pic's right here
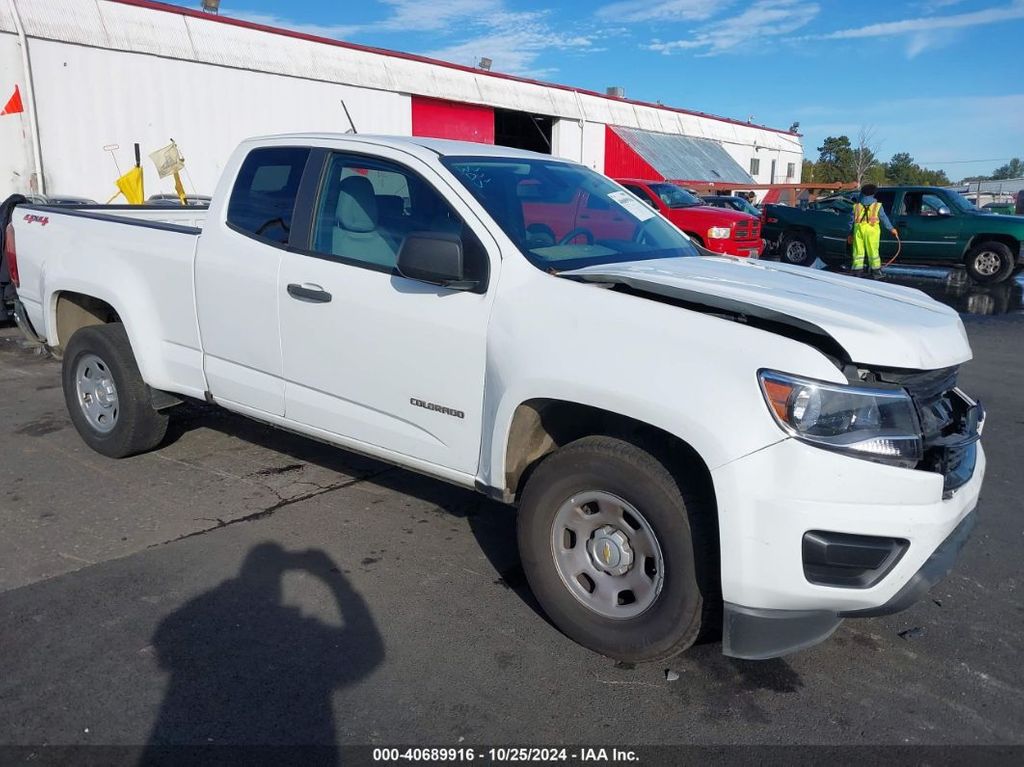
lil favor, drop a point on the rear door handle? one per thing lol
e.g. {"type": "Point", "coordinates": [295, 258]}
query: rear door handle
{"type": "Point", "coordinates": [313, 294]}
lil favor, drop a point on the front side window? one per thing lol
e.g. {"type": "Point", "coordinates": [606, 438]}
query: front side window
{"type": "Point", "coordinates": [572, 217]}
{"type": "Point", "coordinates": [367, 206]}
{"type": "Point", "coordinates": [923, 204]}
{"type": "Point", "coordinates": [263, 198]}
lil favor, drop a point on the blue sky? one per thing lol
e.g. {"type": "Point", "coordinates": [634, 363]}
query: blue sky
{"type": "Point", "coordinates": [941, 79]}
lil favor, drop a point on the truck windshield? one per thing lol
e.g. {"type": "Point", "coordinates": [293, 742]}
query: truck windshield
{"type": "Point", "coordinates": [675, 196]}
{"type": "Point", "coordinates": [564, 216]}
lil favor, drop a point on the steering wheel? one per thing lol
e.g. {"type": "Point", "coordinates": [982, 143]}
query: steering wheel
{"type": "Point", "coordinates": [574, 233]}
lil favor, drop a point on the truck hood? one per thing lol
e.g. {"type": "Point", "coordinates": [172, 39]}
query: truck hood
{"type": "Point", "coordinates": [876, 324]}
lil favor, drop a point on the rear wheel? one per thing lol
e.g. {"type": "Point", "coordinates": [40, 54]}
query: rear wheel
{"type": "Point", "coordinates": [797, 248]}
{"type": "Point", "coordinates": [989, 262]}
{"type": "Point", "coordinates": [109, 403]}
{"type": "Point", "coordinates": [613, 553]}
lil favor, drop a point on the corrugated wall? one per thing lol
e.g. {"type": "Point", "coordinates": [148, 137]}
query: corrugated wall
{"type": "Point", "coordinates": [89, 97]}
{"type": "Point", "coordinates": [132, 73]}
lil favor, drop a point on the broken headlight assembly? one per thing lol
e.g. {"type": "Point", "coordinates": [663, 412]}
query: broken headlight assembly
{"type": "Point", "coordinates": [877, 424]}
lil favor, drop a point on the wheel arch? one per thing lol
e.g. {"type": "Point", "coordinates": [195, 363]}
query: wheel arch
{"type": "Point", "coordinates": [539, 426]}
{"type": "Point", "coordinates": [73, 311]}
{"type": "Point", "coordinates": [73, 307]}
{"type": "Point", "coordinates": [1006, 239]}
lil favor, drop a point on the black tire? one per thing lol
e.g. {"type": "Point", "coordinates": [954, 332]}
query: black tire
{"type": "Point", "coordinates": [690, 595]}
{"type": "Point", "coordinates": [797, 248]}
{"type": "Point", "coordinates": [137, 427]}
{"type": "Point", "coordinates": [989, 262]}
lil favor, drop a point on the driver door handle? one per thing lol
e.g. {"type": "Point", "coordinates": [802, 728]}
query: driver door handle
{"type": "Point", "coordinates": [309, 293]}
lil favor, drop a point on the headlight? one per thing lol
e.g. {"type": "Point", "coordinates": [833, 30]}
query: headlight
{"type": "Point", "coordinates": [876, 424]}
{"type": "Point", "coordinates": [719, 233]}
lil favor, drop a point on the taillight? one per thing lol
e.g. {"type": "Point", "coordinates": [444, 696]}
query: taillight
{"type": "Point", "coordinates": [11, 255]}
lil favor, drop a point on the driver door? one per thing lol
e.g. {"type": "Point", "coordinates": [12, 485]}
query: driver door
{"type": "Point", "coordinates": [372, 357]}
{"type": "Point", "coordinates": [928, 229]}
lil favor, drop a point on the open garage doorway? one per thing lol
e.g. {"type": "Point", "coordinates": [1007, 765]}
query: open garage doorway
{"type": "Point", "coordinates": [521, 130]}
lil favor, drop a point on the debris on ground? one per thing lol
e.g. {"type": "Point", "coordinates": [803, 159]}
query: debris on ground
{"type": "Point", "coordinates": [913, 633]}
{"type": "Point", "coordinates": [671, 675]}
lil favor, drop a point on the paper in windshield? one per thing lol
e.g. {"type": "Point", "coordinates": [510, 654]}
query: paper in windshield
{"type": "Point", "coordinates": [636, 208]}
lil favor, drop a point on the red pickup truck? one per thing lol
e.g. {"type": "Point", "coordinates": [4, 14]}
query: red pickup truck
{"type": "Point", "coordinates": [716, 229]}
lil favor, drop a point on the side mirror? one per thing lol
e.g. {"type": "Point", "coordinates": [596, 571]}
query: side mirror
{"type": "Point", "coordinates": [943, 211]}
{"type": "Point", "coordinates": [434, 257]}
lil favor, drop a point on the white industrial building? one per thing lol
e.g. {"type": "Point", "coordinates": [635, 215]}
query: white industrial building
{"type": "Point", "coordinates": [81, 77]}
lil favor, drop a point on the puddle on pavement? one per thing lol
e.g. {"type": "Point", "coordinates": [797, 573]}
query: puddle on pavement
{"type": "Point", "coordinates": [954, 288]}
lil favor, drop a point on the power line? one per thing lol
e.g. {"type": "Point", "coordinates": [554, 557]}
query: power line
{"type": "Point", "coordinates": [963, 162]}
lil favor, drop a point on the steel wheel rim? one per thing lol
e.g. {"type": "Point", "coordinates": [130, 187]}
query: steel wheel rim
{"type": "Point", "coordinates": [607, 555]}
{"type": "Point", "coordinates": [987, 263]}
{"type": "Point", "coordinates": [96, 393]}
{"type": "Point", "coordinates": [796, 252]}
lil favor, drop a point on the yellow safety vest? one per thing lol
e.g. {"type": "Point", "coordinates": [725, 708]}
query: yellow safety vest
{"type": "Point", "coordinates": [866, 214]}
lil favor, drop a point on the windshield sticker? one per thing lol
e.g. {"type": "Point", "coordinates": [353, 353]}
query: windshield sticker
{"type": "Point", "coordinates": [632, 205]}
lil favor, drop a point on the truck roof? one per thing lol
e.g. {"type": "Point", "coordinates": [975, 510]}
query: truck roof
{"type": "Point", "coordinates": [442, 147]}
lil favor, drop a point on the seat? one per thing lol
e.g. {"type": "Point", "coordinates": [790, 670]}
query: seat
{"type": "Point", "coordinates": [356, 234]}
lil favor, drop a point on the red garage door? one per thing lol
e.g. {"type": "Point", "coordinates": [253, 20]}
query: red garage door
{"type": "Point", "coordinates": [435, 118]}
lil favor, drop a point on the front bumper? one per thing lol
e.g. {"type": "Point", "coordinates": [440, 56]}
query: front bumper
{"type": "Point", "coordinates": [740, 248]}
{"type": "Point", "coordinates": [767, 502]}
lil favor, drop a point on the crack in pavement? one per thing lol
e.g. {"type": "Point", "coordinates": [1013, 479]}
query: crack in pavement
{"type": "Point", "coordinates": [282, 503]}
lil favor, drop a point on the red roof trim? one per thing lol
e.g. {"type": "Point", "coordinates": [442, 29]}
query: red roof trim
{"type": "Point", "coordinates": [182, 11]}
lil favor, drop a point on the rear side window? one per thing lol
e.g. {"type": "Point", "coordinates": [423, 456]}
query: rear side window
{"type": "Point", "coordinates": [263, 199]}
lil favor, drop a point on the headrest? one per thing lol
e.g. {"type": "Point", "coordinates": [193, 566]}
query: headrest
{"type": "Point", "coordinates": [357, 205]}
{"type": "Point", "coordinates": [390, 205]}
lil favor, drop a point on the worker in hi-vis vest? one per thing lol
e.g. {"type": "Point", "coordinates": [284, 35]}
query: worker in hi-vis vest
{"type": "Point", "coordinates": [866, 231]}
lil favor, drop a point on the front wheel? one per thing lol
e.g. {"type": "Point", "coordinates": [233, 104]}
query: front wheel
{"type": "Point", "coordinates": [613, 553]}
{"type": "Point", "coordinates": [990, 262]}
{"type": "Point", "coordinates": [797, 248]}
{"type": "Point", "coordinates": [109, 403]}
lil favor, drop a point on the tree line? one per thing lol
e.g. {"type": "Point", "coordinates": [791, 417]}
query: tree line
{"type": "Point", "coordinates": [1013, 169]}
{"type": "Point", "coordinates": [842, 160]}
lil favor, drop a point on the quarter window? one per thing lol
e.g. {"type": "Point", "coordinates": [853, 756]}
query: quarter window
{"type": "Point", "coordinates": [263, 198]}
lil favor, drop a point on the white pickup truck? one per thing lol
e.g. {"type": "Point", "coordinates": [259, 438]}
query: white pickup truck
{"type": "Point", "coordinates": [695, 444]}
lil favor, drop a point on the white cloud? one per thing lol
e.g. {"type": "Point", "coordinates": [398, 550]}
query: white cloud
{"type": "Point", "coordinates": [1014, 10]}
{"type": "Point", "coordinates": [666, 10]}
{"type": "Point", "coordinates": [433, 15]}
{"type": "Point", "coordinates": [333, 31]}
{"type": "Point", "coordinates": [514, 41]}
{"type": "Point", "coordinates": [761, 20]}
{"type": "Point", "coordinates": [462, 31]}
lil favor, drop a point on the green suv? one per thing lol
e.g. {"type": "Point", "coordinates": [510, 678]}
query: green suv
{"type": "Point", "coordinates": [936, 226]}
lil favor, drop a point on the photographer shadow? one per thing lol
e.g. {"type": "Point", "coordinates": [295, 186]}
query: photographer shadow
{"type": "Point", "coordinates": [246, 669]}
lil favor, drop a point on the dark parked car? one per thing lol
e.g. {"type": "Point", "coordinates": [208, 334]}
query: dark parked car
{"type": "Point", "coordinates": [936, 226]}
{"type": "Point", "coordinates": [191, 200]}
{"type": "Point", "coordinates": [59, 199]}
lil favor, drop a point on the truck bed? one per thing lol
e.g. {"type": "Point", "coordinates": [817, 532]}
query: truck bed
{"type": "Point", "coordinates": [139, 261]}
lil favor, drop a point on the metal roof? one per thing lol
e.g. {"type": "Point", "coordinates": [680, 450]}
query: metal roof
{"type": "Point", "coordinates": [684, 158]}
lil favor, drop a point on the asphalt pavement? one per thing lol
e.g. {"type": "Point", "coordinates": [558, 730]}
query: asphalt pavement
{"type": "Point", "coordinates": [244, 585]}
